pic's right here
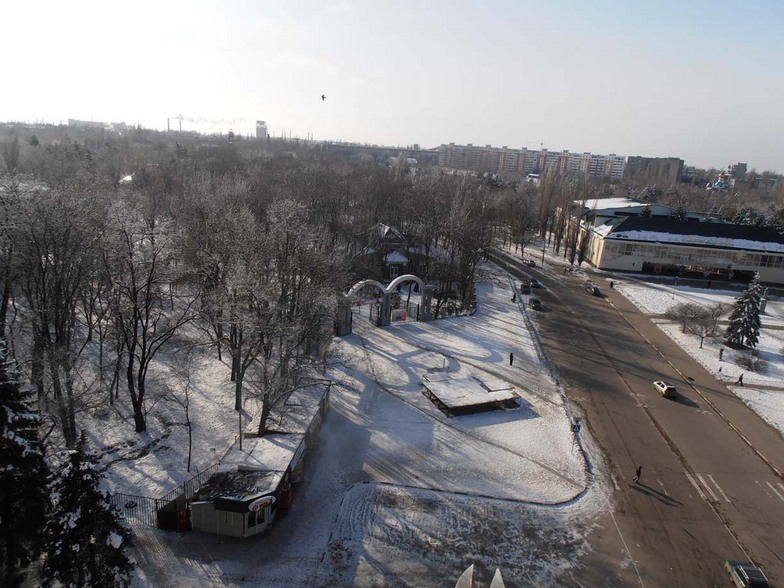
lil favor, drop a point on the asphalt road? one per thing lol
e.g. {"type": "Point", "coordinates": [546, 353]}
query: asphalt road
{"type": "Point", "coordinates": [711, 486]}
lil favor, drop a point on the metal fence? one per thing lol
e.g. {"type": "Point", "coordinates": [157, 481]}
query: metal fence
{"type": "Point", "coordinates": [139, 510]}
{"type": "Point", "coordinates": [165, 512]}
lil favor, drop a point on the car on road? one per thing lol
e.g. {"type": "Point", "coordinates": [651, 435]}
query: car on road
{"type": "Point", "coordinates": [592, 288]}
{"type": "Point", "coordinates": [535, 304]}
{"type": "Point", "coordinates": [535, 283]}
{"type": "Point", "coordinates": [665, 389]}
{"type": "Point", "coordinates": [529, 262]}
{"type": "Point", "coordinates": [525, 289]}
{"type": "Point", "coordinates": [745, 574]}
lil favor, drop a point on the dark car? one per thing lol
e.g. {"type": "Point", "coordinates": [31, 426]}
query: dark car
{"type": "Point", "coordinates": [745, 574]}
{"type": "Point", "coordinates": [535, 304]}
{"type": "Point", "coordinates": [525, 289]}
{"type": "Point", "coordinates": [593, 290]}
{"type": "Point", "coordinates": [529, 262]}
{"type": "Point", "coordinates": [535, 283]}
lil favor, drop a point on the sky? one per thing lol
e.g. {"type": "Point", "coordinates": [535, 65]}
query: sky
{"type": "Point", "coordinates": [697, 80]}
{"type": "Point", "coordinates": [384, 449]}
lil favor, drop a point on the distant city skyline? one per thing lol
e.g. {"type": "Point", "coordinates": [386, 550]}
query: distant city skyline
{"type": "Point", "coordinates": [699, 80]}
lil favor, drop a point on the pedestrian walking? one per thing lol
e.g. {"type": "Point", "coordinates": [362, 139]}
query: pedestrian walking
{"type": "Point", "coordinates": [514, 297]}
{"type": "Point", "coordinates": [740, 380]}
{"type": "Point", "coordinates": [612, 284]}
{"type": "Point", "coordinates": [511, 358]}
{"type": "Point", "coordinates": [721, 353]}
{"type": "Point", "coordinates": [636, 478]}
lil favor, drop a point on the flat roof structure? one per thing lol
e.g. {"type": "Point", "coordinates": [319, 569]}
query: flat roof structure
{"type": "Point", "coordinates": [468, 395]}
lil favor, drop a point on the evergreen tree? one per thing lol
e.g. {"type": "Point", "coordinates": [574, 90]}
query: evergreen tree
{"type": "Point", "coordinates": [87, 542]}
{"type": "Point", "coordinates": [744, 327]}
{"type": "Point", "coordinates": [23, 475]}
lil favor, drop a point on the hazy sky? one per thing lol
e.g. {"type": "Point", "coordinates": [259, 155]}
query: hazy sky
{"type": "Point", "coordinates": [703, 81]}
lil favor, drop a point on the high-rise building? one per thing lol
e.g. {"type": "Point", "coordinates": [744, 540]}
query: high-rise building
{"type": "Point", "coordinates": [261, 129]}
{"type": "Point", "coordinates": [653, 170]}
{"type": "Point", "coordinates": [738, 171]}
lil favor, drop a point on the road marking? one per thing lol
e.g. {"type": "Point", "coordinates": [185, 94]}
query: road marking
{"type": "Point", "coordinates": [719, 488]}
{"type": "Point", "coordinates": [775, 491]}
{"type": "Point", "coordinates": [697, 487]}
{"type": "Point", "coordinates": [662, 486]}
{"type": "Point", "coordinates": [780, 485]}
{"type": "Point", "coordinates": [615, 482]}
{"type": "Point", "coordinates": [707, 487]}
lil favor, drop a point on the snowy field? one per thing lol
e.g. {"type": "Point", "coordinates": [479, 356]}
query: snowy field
{"type": "Point", "coordinates": [399, 494]}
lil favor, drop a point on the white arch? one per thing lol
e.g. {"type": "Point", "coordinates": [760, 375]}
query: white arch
{"type": "Point", "coordinates": [359, 285]}
{"type": "Point", "coordinates": [405, 278]}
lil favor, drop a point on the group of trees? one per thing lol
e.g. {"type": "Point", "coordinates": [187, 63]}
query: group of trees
{"type": "Point", "coordinates": [62, 517]}
{"type": "Point", "coordinates": [243, 251]}
{"type": "Point", "coordinates": [252, 247]}
{"type": "Point", "coordinates": [743, 329]}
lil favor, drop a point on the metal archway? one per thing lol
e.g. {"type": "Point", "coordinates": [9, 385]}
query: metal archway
{"type": "Point", "coordinates": [344, 323]}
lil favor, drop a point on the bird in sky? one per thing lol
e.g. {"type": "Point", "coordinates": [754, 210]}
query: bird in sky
{"type": "Point", "coordinates": [323, 97]}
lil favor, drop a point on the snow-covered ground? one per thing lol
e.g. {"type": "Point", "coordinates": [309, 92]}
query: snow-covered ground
{"type": "Point", "coordinates": [399, 494]}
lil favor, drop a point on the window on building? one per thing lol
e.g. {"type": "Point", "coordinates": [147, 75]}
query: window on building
{"type": "Point", "coordinates": [256, 518]}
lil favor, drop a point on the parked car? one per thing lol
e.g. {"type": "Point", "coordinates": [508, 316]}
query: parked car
{"type": "Point", "coordinates": [525, 289]}
{"type": "Point", "coordinates": [665, 389]}
{"type": "Point", "coordinates": [529, 262]}
{"type": "Point", "coordinates": [535, 283]}
{"type": "Point", "coordinates": [745, 574]}
{"type": "Point", "coordinates": [535, 304]}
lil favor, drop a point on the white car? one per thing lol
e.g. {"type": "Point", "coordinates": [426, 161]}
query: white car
{"type": "Point", "coordinates": [665, 389]}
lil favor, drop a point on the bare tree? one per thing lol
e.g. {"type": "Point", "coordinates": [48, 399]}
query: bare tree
{"type": "Point", "coordinates": [180, 393]}
{"type": "Point", "coordinates": [696, 319]}
{"type": "Point", "coordinates": [143, 273]}
{"type": "Point", "coordinates": [57, 251]}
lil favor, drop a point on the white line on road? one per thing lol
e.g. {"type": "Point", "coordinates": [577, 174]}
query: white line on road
{"type": "Point", "coordinates": [662, 486]}
{"type": "Point", "coordinates": [707, 487]}
{"type": "Point", "coordinates": [780, 485]}
{"type": "Point", "coordinates": [615, 483]}
{"type": "Point", "coordinates": [776, 491]}
{"type": "Point", "coordinates": [697, 487]}
{"type": "Point", "coordinates": [719, 488]}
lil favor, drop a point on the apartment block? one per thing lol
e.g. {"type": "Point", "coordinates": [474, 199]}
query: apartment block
{"type": "Point", "coordinates": [524, 161]}
{"type": "Point", "coordinates": [653, 170]}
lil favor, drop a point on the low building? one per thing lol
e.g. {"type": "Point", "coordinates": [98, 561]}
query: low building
{"type": "Point", "coordinates": [255, 485]}
{"type": "Point", "coordinates": [666, 245]}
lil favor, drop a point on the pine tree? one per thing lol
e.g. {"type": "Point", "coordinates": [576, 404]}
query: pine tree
{"type": "Point", "coordinates": [23, 477]}
{"type": "Point", "coordinates": [87, 542]}
{"type": "Point", "coordinates": [744, 327]}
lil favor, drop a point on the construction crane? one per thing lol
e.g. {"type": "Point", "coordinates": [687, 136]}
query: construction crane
{"type": "Point", "coordinates": [179, 118]}
{"type": "Point", "coordinates": [540, 143]}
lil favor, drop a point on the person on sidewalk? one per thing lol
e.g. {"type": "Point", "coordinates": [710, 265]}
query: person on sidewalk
{"type": "Point", "coordinates": [740, 380]}
{"type": "Point", "coordinates": [721, 353]}
{"type": "Point", "coordinates": [511, 358]}
{"type": "Point", "coordinates": [636, 478]}
{"type": "Point", "coordinates": [514, 297]}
